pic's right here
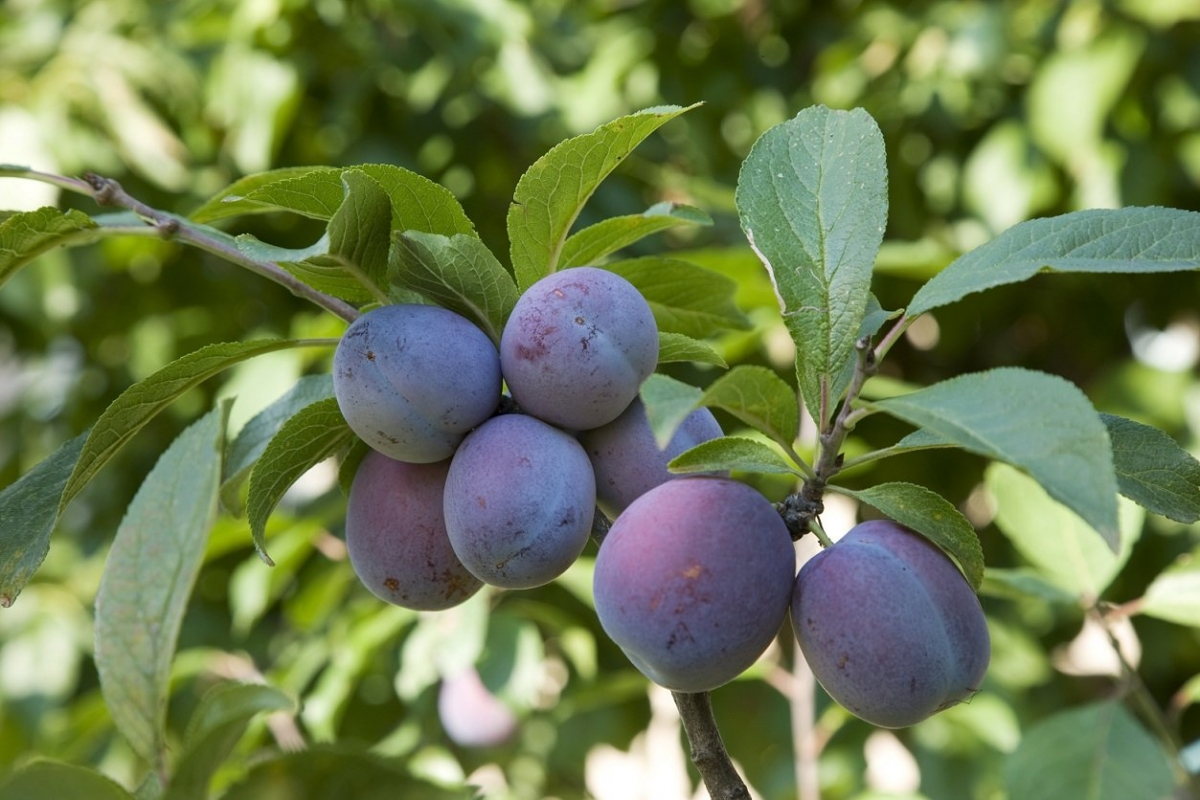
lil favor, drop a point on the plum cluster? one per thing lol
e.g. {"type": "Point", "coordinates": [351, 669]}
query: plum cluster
{"type": "Point", "coordinates": [454, 495]}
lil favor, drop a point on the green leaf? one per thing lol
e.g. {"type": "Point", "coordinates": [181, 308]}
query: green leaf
{"type": "Point", "coordinates": [759, 398]}
{"type": "Point", "coordinates": [337, 772]}
{"type": "Point", "coordinates": [667, 402]}
{"type": "Point", "coordinates": [141, 402]}
{"type": "Point", "coordinates": [53, 780]}
{"type": "Point", "coordinates": [730, 453]}
{"type": "Point", "coordinates": [1098, 240]}
{"type": "Point", "coordinates": [317, 194]}
{"type": "Point", "coordinates": [1038, 422]}
{"type": "Point", "coordinates": [812, 199]}
{"type": "Point", "coordinates": [312, 435]}
{"type": "Point", "coordinates": [231, 201]}
{"type": "Point", "coordinates": [28, 514]}
{"type": "Point", "coordinates": [252, 440]}
{"type": "Point", "coordinates": [315, 265]}
{"type": "Point", "coordinates": [359, 232]}
{"type": "Point", "coordinates": [552, 192]}
{"type": "Point", "coordinates": [873, 319]}
{"type": "Point", "coordinates": [148, 579]}
{"type": "Point", "coordinates": [675, 347]}
{"type": "Point", "coordinates": [934, 517]}
{"type": "Point", "coordinates": [685, 298]}
{"type": "Point", "coordinates": [1153, 470]}
{"type": "Point", "coordinates": [214, 729]}
{"type": "Point", "coordinates": [1174, 595]}
{"type": "Point", "coordinates": [457, 272]}
{"type": "Point", "coordinates": [1060, 545]}
{"type": "Point", "coordinates": [26, 235]}
{"type": "Point", "coordinates": [1096, 752]}
{"type": "Point", "coordinates": [1024, 582]}
{"type": "Point", "coordinates": [419, 204]}
{"type": "Point", "coordinates": [590, 245]}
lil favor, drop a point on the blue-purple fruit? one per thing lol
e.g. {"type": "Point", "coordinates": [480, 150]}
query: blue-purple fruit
{"type": "Point", "coordinates": [889, 625]}
{"type": "Point", "coordinates": [577, 346]}
{"type": "Point", "coordinates": [693, 581]}
{"type": "Point", "coordinates": [471, 715]}
{"type": "Point", "coordinates": [411, 380]}
{"type": "Point", "coordinates": [396, 535]}
{"type": "Point", "coordinates": [519, 501]}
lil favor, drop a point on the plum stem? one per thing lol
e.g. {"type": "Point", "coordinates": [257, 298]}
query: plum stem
{"type": "Point", "coordinates": [108, 192]}
{"type": "Point", "coordinates": [708, 751]}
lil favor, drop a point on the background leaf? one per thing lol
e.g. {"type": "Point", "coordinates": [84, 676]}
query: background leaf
{"type": "Point", "coordinates": [312, 435]}
{"type": "Point", "coordinates": [675, 347]}
{"type": "Point", "coordinates": [1097, 240]}
{"type": "Point", "coordinates": [1153, 470]}
{"type": "Point", "coordinates": [552, 192]}
{"type": "Point", "coordinates": [53, 780]}
{"type": "Point", "coordinates": [934, 517]}
{"type": "Point", "coordinates": [592, 244]}
{"type": "Point", "coordinates": [1096, 752]}
{"type": "Point", "coordinates": [685, 298]}
{"type": "Point", "coordinates": [1038, 422]}
{"type": "Point", "coordinates": [730, 453]}
{"type": "Point", "coordinates": [758, 397]}
{"type": "Point", "coordinates": [1054, 539]}
{"type": "Point", "coordinates": [459, 273]}
{"type": "Point", "coordinates": [26, 235]}
{"type": "Point", "coordinates": [1174, 595]}
{"type": "Point", "coordinates": [28, 514]}
{"type": "Point", "coordinates": [148, 580]}
{"type": "Point", "coordinates": [138, 404]}
{"type": "Point", "coordinates": [812, 198]}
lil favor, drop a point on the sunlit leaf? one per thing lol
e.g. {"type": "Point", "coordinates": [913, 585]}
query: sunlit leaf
{"type": "Point", "coordinates": [674, 347]}
{"type": "Point", "coordinates": [53, 780]}
{"type": "Point", "coordinates": [232, 200]}
{"type": "Point", "coordinates": [685, 298]}
{"type": "Point", "coordinates": [590, 245]}
{"type": "Point", "coordinates": [668, 402]}
{"type": "Point", "coordinates": [730, 453]}
{"type": "Point", "coordinates": [1174, 594]}
{"type": "Point", "coordinates": [26, 235]}
{"type": "Point", "coordinates": [758, 397]}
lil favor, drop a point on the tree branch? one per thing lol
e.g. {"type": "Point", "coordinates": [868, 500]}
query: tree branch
{"type": "Point", "coordinates": [708, 750]}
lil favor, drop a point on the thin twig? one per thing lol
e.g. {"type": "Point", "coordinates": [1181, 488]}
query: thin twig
{"type": "Point", "coordinates": [708, 750]}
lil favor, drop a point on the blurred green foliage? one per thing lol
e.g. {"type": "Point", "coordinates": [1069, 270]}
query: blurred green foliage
{"type": "Point", "coordinates": [992, 112]}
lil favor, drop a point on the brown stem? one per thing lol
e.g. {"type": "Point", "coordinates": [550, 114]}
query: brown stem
{"type": "Point", "coordinates": [708, 750]}
{"type": "Point", "coordinates": [108, 192]}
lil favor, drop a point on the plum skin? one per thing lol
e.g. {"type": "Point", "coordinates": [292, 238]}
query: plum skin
{"type": "Point", "coordinates": [411, 380]}
{"type": "Point", "coordinates": [693, 581]}
{"type": "Point", "coordinates": [577, 347]}
{"type": "Point", "coordinates": [471, 715]}
{"type": "Point", "coordinates": [396, 535]}
{"type": "Point", "coordinates": [889, 626]}
{"type": "Point", "coordinates": [519, 500]}
{"type": "Point", "coordinates": [627, 460]}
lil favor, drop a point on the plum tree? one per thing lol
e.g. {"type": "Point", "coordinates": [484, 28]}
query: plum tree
{"type": "Point", "coordinates": [519, 501]}
{"type": "Point", "coordinates": [471, 715]}
{"type": "Point", "coordinates": [577, 346]}
{"type": "Point", "coordinates": [693, 581]}
{"type": "Point", "coordinates": [396, 535]}
{"type": "Point", "coordinates": [889, 625]}
{"type": "Point", "coordinates": [411, 380]}
{"type": "Point", "coordinates": [628, 462]}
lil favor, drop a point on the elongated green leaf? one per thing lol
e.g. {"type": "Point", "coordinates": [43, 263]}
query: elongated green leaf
{"type": "Point", "coordinates": [1098, 240]}
{"type": "Point", "coordinates": [148, 579]}
{"type": "Point", "coordinates": [28, 514]}
{"type": "Point", "coordinates": [359, 232]}
{"type": "Point", "coordinates": [812, 198]}
{"type": "Point", "coordinates": [338, 772]}
{"type": "Point", "coordinates": [758, 397]}
{"type": "Point", "coordinates": [53, 780]}
{"type": "Point", "coordinates": [1055, 540]}
{"type": "Point", "coordinates": [26, 235]}
{"type": "Point", "coordinates": [457, 272]}
{"type": "Point", "coordinates": [729, 453]}
{"type": "Point", "coordinates": [1096, 752]}
{"type": "Point", "coordinates": [252, 440]}
{"type": "Point", "coordinates": [1038, 422]}
{"type": "Point", "coordinates": [1024, 582]}
{"type": "Point", "coordinates": [139, 404]}
{"type": "Point", "coordinates": [590, 245]}
{"type": "Point", "coordinates": [231, 201]}
{"type": "Point", "coordinates": [873, 319]}
{"type": "Point", "coordinates": [419, 204]}
{"type": "Point", "coordinates": [315, 265]}
{"type": "Point", "coordinates": [674, 347]}
{"type": "Point", "coordinates": [308, 438]}
{"type": "Point", "coordinates": [1174, 595]}
{"type": "Point", "coordinates": [685, 298]}
{"type": "Point", "coordinates": [668, 402]}
{"type": "Point", "coordinates": [1153, 470]}
{"type": "Point", "coordinates": [934, 517]}
{"type": "Point", "coordinates": [317, 194]}
{"type": "Point", "coordinates": [552, 192]}
{"type": "Point", "coordinates": [215, 728]}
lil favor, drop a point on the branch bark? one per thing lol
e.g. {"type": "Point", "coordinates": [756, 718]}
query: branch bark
{"type": "Point", "coordinates": [708, 749]}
